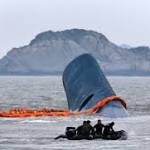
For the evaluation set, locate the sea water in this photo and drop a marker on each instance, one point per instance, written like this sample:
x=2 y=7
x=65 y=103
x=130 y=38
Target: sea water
x=47 y=92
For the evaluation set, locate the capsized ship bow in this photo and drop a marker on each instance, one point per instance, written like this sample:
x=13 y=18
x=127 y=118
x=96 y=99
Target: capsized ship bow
x=86 y=87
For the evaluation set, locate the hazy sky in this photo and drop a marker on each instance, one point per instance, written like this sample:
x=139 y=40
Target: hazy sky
x=122 y=21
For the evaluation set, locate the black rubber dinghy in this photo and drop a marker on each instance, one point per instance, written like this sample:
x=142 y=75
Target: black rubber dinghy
x=117 y=135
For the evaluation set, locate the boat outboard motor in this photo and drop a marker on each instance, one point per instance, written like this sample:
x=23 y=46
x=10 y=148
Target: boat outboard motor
x=85 y=86
x=70 y=132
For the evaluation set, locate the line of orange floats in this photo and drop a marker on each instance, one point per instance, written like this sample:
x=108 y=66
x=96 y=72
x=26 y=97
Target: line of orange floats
x=29 y=112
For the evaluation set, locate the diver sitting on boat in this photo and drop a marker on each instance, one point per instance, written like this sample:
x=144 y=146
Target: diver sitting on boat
x=108 y=129
x=98 y=129
x=85 y=131
x=91 y=129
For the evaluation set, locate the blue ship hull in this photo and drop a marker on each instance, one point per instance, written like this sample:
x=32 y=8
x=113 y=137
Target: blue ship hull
x=85 y=85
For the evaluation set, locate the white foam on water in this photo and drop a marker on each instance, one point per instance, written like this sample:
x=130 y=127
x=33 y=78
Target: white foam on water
x=37 y=121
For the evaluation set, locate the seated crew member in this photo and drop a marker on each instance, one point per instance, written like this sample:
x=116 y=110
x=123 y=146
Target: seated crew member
x=98 y=128
x=83 y=131
x=79 y=130
x=108 y=129
x=90 y=129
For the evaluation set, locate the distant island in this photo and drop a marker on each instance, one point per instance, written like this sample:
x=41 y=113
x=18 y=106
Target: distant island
x=49 y=53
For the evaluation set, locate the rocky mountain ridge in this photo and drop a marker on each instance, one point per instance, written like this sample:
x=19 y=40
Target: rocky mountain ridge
x=49 y=53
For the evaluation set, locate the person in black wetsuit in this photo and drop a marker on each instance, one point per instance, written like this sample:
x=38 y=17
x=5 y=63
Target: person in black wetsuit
x=98 y=128
x=84 y=131
x=90 y=129
x=108 y=129
x=81 y=130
